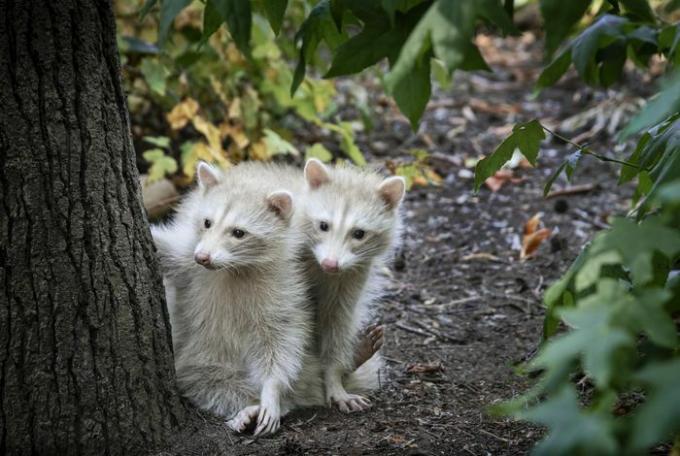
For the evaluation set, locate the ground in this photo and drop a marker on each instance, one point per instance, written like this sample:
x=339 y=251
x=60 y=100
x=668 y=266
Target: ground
x=463 y=311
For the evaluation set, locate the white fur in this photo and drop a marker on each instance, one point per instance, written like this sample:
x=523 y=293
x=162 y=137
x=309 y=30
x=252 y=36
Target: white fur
x=346 y=199
x=242 y=331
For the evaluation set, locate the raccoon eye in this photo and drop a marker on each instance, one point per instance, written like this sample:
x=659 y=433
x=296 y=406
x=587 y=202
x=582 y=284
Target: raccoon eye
x=323 y=226
x=238 y=234
x=358 y=234
x=207 y=223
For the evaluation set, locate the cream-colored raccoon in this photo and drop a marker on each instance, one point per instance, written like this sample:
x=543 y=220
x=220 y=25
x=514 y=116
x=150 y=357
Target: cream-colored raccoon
x=241 y=320
x=352 y=224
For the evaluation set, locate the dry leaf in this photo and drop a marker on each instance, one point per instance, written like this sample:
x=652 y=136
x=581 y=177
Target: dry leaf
x=180 y=115
x=425 y=368
x=533 y=236
x=495 y=182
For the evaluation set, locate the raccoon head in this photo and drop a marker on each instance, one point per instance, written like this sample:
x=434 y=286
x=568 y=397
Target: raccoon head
x=351 y=215
x=238 y=224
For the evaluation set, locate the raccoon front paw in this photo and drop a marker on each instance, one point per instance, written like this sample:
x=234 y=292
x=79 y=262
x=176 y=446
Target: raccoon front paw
x=244 y=419
x=350 y=403
x=268 y=420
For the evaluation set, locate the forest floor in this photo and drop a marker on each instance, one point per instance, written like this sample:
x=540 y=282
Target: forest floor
x=463 y=311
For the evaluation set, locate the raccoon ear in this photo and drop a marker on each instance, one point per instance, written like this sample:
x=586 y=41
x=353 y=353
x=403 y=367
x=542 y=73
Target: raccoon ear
x=281 y=203
x=316 y=173
x=392 y=190
x=208 y=175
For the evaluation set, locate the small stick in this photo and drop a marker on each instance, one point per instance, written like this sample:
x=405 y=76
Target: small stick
x=574 y=190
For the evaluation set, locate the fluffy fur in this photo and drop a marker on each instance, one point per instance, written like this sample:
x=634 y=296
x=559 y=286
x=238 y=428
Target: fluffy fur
x=241 y=319
x=351 y=222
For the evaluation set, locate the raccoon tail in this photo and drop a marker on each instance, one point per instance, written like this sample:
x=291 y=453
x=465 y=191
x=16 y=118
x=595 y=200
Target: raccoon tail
x=366 y=377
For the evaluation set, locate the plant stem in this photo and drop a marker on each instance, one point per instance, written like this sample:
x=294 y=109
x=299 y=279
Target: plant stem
x=586 y=151
x=510 y=8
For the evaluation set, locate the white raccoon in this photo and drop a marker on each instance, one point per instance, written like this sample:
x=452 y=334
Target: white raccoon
x=352 y=224
x=240 y=316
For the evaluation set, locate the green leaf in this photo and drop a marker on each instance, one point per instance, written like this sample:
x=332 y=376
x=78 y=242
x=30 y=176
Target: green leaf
x=318 y=25
x=212 y=19
x=319 y=152
x=658 y=108
x=148 y=4
x=526 y=137
x=155 y=74
x=347 y=144
x=560 y=18
x=277 y=145
x=445 y=31
x=238 y=16
x=169 y=10
x=275 y=10
x=649 y=314
x=639 y=10
x=553 y=72
x=636 y=242
x=158 y=141
x=412 y=91
x=364 y=49
x=337 y=11
x=161 y=164
x=658 y=419
x=629 y=172
x=569 y=164
x=571 y=429
x=602 y=33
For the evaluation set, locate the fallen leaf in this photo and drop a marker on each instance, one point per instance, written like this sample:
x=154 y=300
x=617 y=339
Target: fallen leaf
x=533 y=236
x=180 y=115
x=425 y=368
x=502 y=177
x=531 y=225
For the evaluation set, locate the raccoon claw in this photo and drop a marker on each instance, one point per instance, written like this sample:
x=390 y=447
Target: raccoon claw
x=352 y=403
x=244 y=419
x=268 y=422
x=370 y=341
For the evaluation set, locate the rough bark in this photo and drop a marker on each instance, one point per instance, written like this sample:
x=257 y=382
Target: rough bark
x=86 y=361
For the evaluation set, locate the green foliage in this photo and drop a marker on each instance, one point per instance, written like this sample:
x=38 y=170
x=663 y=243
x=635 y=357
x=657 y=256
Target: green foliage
x=406 y=33
x=617 y=300
x=525 y=137
x=217 y=104
x=627 y=31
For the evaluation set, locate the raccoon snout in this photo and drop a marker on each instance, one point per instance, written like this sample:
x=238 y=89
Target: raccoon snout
x=330 y=265
x=203 y=259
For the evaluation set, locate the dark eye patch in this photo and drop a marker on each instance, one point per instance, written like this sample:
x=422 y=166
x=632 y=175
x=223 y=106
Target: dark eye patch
x=358 y=234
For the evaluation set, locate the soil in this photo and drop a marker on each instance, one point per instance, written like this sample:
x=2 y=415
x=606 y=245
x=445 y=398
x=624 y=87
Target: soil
x=463 y=311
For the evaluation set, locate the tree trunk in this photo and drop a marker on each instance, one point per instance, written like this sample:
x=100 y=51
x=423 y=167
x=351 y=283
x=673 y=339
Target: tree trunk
x=86 y=363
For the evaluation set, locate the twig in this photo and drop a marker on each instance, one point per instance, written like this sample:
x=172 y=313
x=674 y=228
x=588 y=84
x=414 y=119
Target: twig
x=585 y=150
x=412 y=329
x=490 y=434
x=462 y=300
x=573 y=190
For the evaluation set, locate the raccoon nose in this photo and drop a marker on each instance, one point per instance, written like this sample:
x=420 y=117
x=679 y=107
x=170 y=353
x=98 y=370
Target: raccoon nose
x=330 y=265
x=202 y=258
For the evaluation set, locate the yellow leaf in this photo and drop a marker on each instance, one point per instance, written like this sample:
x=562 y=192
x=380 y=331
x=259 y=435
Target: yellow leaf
x=236 y=133
x=259 y=151
x=182 y=113
x=235 y=109
x=211 y=133
x=201 y=151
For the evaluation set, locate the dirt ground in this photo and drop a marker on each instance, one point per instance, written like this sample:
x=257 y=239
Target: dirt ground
x=462 y=306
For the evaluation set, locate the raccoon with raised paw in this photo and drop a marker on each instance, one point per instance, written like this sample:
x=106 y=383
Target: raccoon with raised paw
x=352 y=225
x=237 y=297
